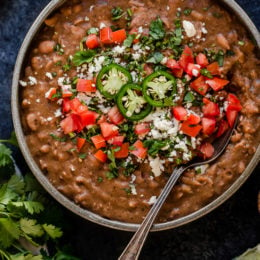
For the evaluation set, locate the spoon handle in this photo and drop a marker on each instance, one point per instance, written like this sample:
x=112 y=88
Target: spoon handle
x=135 y=245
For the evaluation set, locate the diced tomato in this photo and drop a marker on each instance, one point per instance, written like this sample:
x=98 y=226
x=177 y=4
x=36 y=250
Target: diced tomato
x=123 y=152
x=205 y=100
x=81 y=108
x=231 y=116
x=101 y=156
x=142 y=128
x=115 y=116
x=116 y=140
x=193 y=69
x=69 y=124
x=213 y=68
x=177 y=72
x=186 y=57
x=101 y=119
x=207 y=150
x=200 y=85
x=202 y=60
x=190 y=130
x=92 y=41
x=50 y=93
x=222 y=128
x=106 y=35
x=108 y=130
x=80 y=143
x=233 y=102
x=179 y=113
x=216 y=83
x=66 y=92
x=148 y=69
x=86 y=85
x=193 y=119
x=208 y=125
x=88 y=118
x=139 y=150
x=119 y=36
x=172 y=64
x=134 y=31
x=98 y=141
x=74 y=104
x=66 y=105
x=211 y=109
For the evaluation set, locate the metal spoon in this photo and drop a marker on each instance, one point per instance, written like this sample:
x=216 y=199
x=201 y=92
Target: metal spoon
x=133 y=249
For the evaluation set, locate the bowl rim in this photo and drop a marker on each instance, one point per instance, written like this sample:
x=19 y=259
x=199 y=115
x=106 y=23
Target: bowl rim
x=62 y=199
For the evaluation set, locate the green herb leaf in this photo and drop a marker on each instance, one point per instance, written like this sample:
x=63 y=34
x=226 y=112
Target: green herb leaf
x=157 y=31
x=93 y=30
x=12 y=140
x=116 y=13
x=30 y=227
x=154 y=146
x=30 y=206
x=52 y=231
x=206 y=73
x=81 y=57
x=5 y=155
x=187 y=11
x=155 y=58
x=129 y=40
x=16 y=184
x=189 y=97
x=9 y=231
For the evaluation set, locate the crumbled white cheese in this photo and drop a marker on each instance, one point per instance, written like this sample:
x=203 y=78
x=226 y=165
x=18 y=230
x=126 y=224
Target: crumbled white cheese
x=32 y=80
x=49 y=75
x=189 y=28
x=38 y=100
x=136 y=56
x=49 y=118
x=140 y=29
x=86 y=19
x=118 y=49
x=156 y=165
x=22 y=83
x=133 y=189
x=164 y=60
x=204 y=30
x=102 y=25
x=167 y=7
x=58 y=113
x=152 y=200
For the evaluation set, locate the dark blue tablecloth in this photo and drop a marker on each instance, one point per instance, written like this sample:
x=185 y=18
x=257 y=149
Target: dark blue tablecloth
x=222 y=234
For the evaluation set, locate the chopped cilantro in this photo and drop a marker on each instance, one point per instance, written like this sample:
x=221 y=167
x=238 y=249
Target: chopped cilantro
x=117 y=13
x=99 y=179
x=57 y=138
x=128 y=191
x=58 y=49
x=82 y=156
x=189 y=97
x=155 y=58
x=81 y=57
x=93 y=30
x=129 y=40
x=157 y=31
x=241 y=43
x=187 y=11
x=154 y=146
x=206 y=73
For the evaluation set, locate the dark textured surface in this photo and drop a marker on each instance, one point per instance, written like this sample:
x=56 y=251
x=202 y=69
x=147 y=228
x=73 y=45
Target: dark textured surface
x=222 y=234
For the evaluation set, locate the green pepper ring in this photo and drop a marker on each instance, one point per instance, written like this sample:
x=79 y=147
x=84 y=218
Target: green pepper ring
x=106 y=69
x=148 y=98
x=123 y=110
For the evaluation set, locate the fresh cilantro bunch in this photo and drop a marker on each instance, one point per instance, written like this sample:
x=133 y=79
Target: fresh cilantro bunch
x=26 y=225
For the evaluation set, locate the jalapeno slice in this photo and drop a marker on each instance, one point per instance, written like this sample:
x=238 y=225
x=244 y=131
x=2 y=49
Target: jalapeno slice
x=111 y=78
x=159 y=89
x=131 y=104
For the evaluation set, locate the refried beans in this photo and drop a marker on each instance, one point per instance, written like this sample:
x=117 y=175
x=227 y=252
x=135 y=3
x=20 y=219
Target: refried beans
x=110 y=146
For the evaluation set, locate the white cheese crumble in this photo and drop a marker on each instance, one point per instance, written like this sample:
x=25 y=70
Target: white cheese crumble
x=189 y=28
x=156 y=165
x=102 y=25
x=118 y=49
x=22 y=83
x=49 y=75
x=152 y=200
x=58 y=113
x=32 y=80
x=133 y=189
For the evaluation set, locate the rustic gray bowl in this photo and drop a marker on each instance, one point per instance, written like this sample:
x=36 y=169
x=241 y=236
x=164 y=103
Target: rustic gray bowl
x=53 y=5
